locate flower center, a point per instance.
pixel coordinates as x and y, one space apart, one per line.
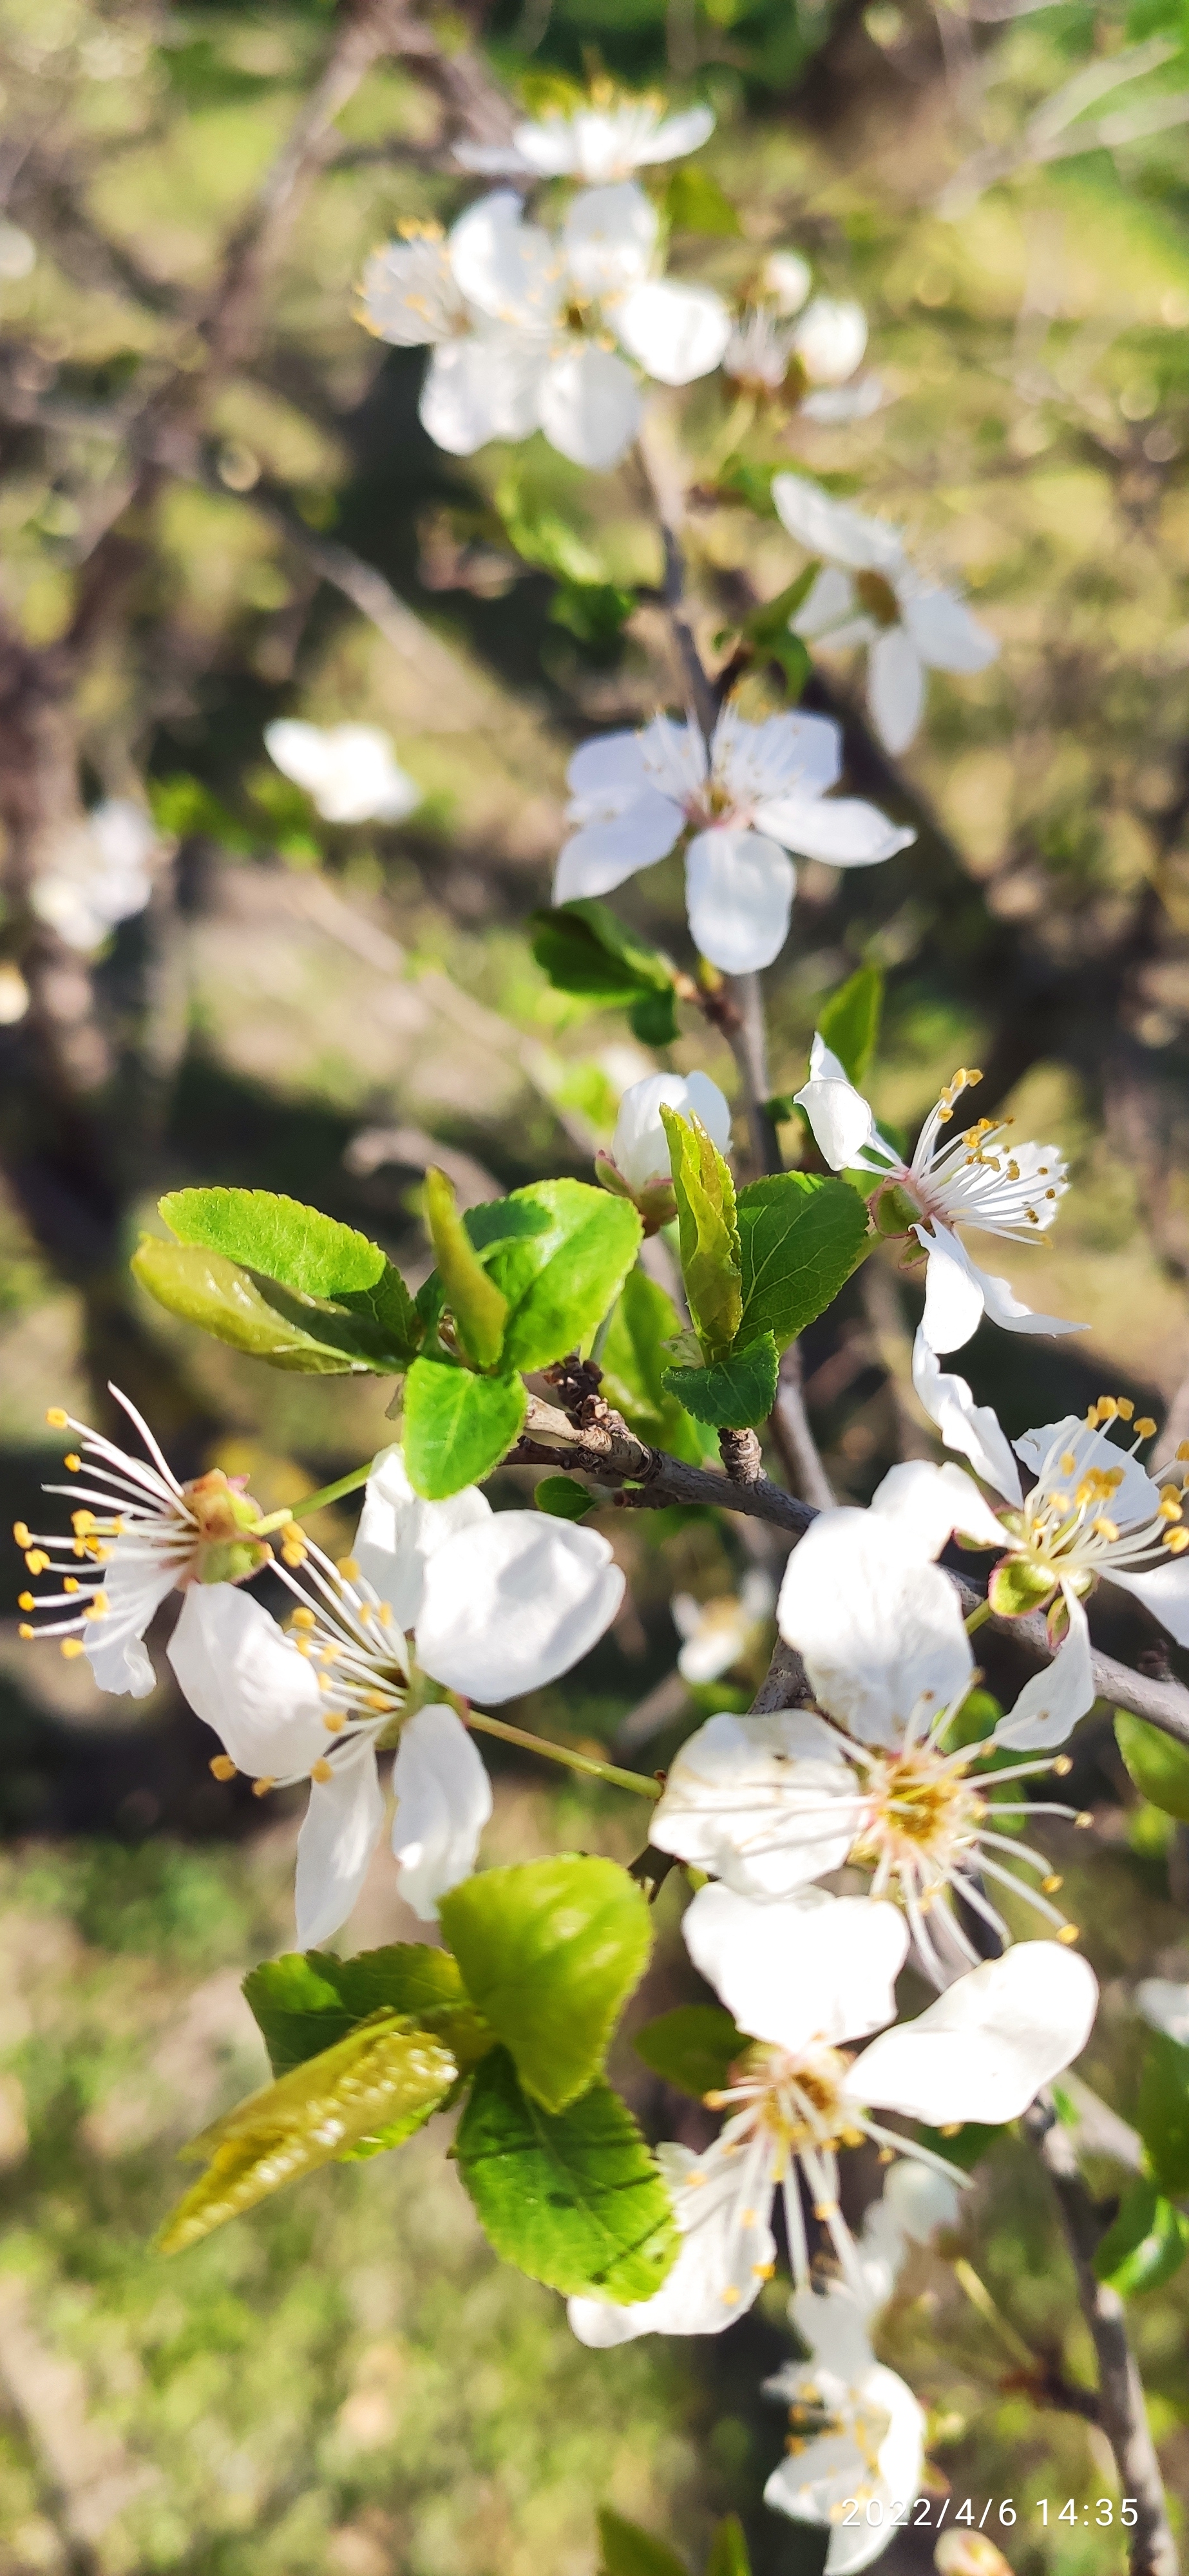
878 598
922 1808
797 2099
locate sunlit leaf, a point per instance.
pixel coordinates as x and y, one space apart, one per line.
1145 2244
574 2198
549 1951
625 2550
1158 1765
633 1365
849 1021
307 1334
800 1238
457 1427
1162 2113
563 1271
479 1310
693 2047
709 1236
737 1392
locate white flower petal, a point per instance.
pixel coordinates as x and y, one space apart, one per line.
817 2482
787 278
349 770
895 687
842 1121
640 1146
789 754
834 406
766 1803
1165 2005
607 775
879 1630
945 634
609 238
1004 1307
832 528
828 605
397 1532
242 1675
409 293
812 1967
341 1829
739 892
482 387
1165 1592
963 1424
443 1801
988 2044
600 856
1050 1705
721 2204
508 268
841 830
930 1504
830 339
953 1290
683 132
117 1656
920 2201
676 333
590 407
509 1606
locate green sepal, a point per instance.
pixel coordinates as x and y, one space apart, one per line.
693 2047
583 948
281 1239
734 1393
633 1365
549 1952
559 1252
800 1240
457 1427
1162 2113
480 1311
1158 1765
1144 2245
276 1324
563 1498
573 2198
708 1233
382 2081
849 1021
625 2550
1017 1586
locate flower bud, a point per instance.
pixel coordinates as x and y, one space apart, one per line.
830 339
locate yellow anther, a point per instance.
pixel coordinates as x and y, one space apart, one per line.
972 1074
1069 1932
333 1720
304 1619
1092 1417
384 1614
887 2155
1126 1408
375 1699
1084 1493
1085 1820
730 2297
714 2101
349 1569
56 1419
1108 1406
72 1646
223 1767
824 2209
1068 1463
36 1560
1103 1528
97 1606
73 1461
22 1533
950 2129
1183 1449
25 1601
1062 1766
1049 1886
321 1769
70 1583
1175 1540
749 2217
260 1788
82 1523
1059 1502
25 1633
763 2271
1170 1508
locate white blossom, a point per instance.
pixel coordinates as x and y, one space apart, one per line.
596 144
868 593
814 1972
916 2205
1165 2007
349 770
640 1147
99 872
523 324
786 278
18 254
974 1178
856 2433
829 342
716 1634
496 1604
759 793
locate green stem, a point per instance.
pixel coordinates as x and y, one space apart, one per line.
561 1753
977 1616
314 1502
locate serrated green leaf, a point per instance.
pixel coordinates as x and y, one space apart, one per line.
549 1952
695 203
633 1365
735 1393
693 2047
708 1233
276 1324
583 948
383 2079
480 1311
1145 2244
574 2198
728 2549
800 1239
625 2550
308 2001
849 1021
295 1244
563 1498
1162 2113
457 1427
560 1262
1158 1765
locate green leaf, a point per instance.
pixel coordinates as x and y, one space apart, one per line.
728 2549
583 948
559 1278
1162 2113
849 1021
575 2199
563 1498
1158 1765
258 1315
695 202
384 2078
457 1427
625 2550
549 1951
289 1242
1145 2244
768 625
708 1234
739 480
800 1238
633 1365
308 2000
693 2047
479 1310
595 612
734 1393
653 1019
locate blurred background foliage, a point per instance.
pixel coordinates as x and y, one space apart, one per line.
205 526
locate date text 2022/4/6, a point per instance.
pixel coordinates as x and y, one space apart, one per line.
933 2511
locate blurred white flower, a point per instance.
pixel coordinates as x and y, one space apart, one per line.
786 278
916 2205
14 995
596 143
721 1632
523 323
759 793
830 340
640 1147
868 593
17 253
825 347
1165 2006
856 2433
100 872
349 770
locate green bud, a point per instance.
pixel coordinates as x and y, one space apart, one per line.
893 1211
1019 1584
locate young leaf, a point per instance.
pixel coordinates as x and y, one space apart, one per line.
385 2077
653 1019
849 1021
1144 2245
575 2199
728 2549
302 1250
1158 1765
457 1427
633 1365
709 1236
259 1316
479 1310
1162 2113
693 2047
625 2550
563 1498
549 1951
308 2000
735 1393
560 1278
583 948
799 1240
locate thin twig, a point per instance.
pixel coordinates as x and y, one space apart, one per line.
789 1425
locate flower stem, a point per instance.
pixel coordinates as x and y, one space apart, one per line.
976 1617
561 1753
980 2297
332 1493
